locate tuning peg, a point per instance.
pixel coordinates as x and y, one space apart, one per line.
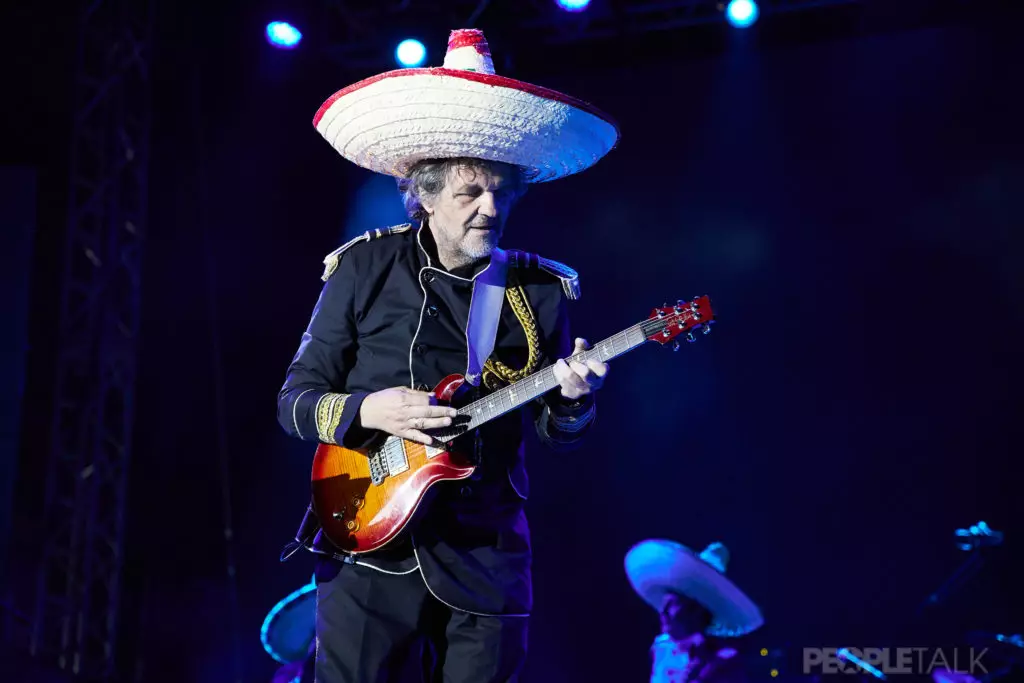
675 345
707 329
690 338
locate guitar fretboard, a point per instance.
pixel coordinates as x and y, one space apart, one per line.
527 389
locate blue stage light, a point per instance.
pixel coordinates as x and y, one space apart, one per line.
741 13
573 5
283 35
410 53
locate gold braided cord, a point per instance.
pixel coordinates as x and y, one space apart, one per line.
495 372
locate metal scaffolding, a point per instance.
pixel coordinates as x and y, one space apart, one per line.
77 603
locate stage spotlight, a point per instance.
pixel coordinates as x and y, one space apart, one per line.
283 35
741 13
410 52
573 5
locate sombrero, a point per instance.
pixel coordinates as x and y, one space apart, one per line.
656 567
290 626
386 123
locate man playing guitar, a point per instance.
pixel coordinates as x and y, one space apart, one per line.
402 308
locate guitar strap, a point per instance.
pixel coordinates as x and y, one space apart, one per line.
484 312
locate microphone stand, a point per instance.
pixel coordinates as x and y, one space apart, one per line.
972 539
960 576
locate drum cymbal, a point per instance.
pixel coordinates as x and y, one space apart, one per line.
1004 647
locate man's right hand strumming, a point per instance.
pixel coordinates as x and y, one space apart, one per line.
405 413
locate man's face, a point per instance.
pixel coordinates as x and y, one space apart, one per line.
682 617
468 215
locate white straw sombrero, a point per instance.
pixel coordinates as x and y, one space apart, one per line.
656 567
388 122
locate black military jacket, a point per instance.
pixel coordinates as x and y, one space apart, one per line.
391 315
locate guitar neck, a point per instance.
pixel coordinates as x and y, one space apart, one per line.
509 398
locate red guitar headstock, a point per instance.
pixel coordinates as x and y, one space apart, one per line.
668 322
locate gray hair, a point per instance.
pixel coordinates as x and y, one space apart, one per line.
427 178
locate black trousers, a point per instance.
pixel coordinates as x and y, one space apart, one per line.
373 627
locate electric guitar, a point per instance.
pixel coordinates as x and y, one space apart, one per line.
364 498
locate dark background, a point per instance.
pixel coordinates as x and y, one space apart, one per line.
845 184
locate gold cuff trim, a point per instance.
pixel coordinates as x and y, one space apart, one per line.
328 416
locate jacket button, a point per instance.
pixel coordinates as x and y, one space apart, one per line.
432 311
428 277
420 349
466 491
422 387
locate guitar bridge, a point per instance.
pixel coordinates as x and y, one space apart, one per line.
378 469
389 460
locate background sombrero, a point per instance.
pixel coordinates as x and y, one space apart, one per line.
657 566
290 626
388 122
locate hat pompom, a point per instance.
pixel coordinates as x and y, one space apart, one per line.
468 51
717 555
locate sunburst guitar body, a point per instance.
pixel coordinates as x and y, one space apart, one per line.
365 498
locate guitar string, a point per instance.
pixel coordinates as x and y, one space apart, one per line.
647 326
656 325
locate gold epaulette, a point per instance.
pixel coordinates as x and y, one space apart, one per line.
569 277
331 260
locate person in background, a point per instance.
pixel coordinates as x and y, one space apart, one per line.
703 613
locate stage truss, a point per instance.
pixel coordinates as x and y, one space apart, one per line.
78 593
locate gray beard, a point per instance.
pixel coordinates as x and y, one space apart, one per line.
456 256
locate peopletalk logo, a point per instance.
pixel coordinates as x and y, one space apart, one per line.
885 661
